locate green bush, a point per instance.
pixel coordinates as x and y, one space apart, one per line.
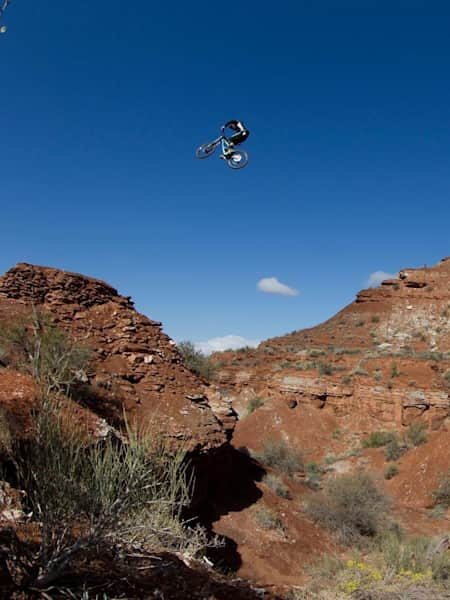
314 473
391 471
254 403
87 495
267 518
377 439
35 345
416 433
359 371
325 368
394 371
278 456
196 361
276 484
441 496
315 352
394 449
416 555
5 435
351 506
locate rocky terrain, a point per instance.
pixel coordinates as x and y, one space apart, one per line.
135 365
382 363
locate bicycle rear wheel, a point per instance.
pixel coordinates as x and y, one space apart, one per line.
238 160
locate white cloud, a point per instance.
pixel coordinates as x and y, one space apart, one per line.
227 342
271 285
377 277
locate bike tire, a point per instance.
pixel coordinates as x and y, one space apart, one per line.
205 150
238 160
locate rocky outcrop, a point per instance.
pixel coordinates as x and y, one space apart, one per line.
135 365
384 358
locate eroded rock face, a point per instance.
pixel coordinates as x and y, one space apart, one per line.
135 364
384 359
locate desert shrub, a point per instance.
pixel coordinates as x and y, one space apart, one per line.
280 457
391 471
416 433
85 495
196 361
330 458
375 319
446 376
380 438
399 569
276 484
267 518
417 558
314 473
340 351
429 355
394 450
303 365
5 434
325 368
351 506
35 345
254 403
347 379
441 495
394 371
315 352
360 323
359 371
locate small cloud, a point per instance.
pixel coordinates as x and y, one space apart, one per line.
377 277
271 285
227 342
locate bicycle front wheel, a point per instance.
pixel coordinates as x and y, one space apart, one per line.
238 160
205 150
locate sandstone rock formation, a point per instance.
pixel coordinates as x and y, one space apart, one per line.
384 359
136 366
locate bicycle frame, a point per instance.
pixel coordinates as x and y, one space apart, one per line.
224 142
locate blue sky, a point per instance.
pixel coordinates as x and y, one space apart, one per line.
103 105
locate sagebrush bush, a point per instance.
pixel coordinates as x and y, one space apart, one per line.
35 345
441 495
280 457
377 439
105 491
277 485
254 403
391 471
394 449
325 368
267 518
196 361
5 435
86 493
416 433
416 555
351 506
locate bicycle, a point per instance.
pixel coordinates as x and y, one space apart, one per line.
235 159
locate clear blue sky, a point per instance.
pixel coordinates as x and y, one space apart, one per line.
103 104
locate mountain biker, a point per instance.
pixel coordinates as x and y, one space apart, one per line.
241 134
